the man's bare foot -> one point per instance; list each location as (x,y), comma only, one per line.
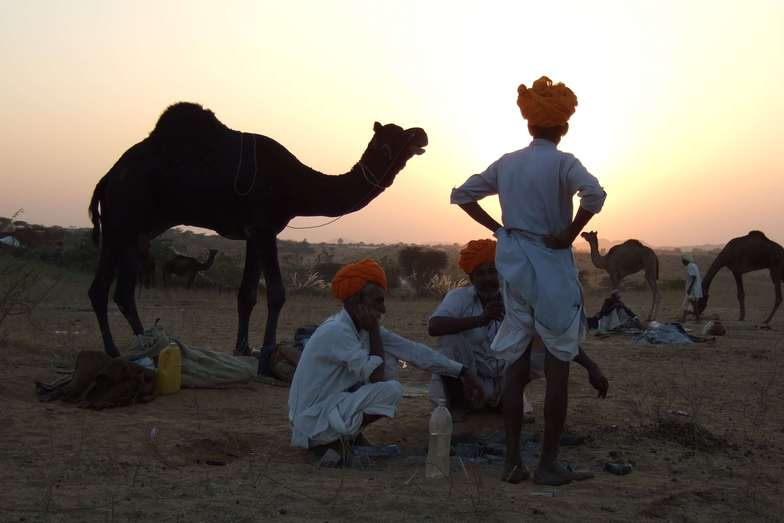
(555,475)
(515,473)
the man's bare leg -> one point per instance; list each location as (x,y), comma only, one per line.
(516,378)
(549,471)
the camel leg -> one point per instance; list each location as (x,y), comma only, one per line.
(777,287)
(741,295)
(127,271)
(99,297)
(276,297)
(191,277)
(246,297)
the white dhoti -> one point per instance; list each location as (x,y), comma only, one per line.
(340,416)
(542,296)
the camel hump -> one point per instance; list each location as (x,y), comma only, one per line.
(758,234)
(635,243)
(185,119)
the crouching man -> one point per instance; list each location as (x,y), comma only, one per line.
(345,378)
(466,321)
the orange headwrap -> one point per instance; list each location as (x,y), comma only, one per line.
(475,254)
(545,104)
(350,279)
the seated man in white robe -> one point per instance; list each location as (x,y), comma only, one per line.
(466,322)
(467,319)
(345,378)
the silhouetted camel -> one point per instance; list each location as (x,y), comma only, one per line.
(627,258)
(193,170)
(187,267)
(752,252)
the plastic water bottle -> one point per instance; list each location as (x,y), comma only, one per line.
(437,464)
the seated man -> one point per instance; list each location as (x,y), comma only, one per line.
(614,314)
(466,322)
(345,376)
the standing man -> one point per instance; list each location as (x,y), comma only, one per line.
(542,294)
(345,378)
(693,288)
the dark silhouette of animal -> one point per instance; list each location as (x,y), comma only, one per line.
(186,267)
(627,258)
(752,252)
(193,170)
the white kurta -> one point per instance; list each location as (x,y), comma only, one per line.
(330,391)
(542,294)
(693,271)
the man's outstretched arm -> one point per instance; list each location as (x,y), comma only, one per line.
(595,376)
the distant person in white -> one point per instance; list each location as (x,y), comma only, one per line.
(693,288)
(542,295)
(345,378)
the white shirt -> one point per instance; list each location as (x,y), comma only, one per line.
(693,271)
(535,186)
(336,358)
(463,302)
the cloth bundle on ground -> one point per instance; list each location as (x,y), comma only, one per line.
(285,357)
(201,368)
(615,318)
(100,381)
(667,334)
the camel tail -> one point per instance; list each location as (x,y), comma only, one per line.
(94,211)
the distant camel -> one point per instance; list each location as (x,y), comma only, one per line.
(186,267)
(193,170)
(752,252)
(627,258)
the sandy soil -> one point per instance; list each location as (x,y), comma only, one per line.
(224,455)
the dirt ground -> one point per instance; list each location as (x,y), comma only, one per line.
(703,425)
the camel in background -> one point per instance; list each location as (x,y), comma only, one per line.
(627,258)
(186,267)
(193,170)
(752,252)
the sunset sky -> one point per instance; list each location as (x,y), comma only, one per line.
(680,103)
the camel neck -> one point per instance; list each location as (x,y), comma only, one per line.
(598,260)
(319,194)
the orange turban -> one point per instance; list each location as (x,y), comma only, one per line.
(545,104)
(475,254)
(350,279)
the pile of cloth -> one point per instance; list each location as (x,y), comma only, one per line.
(99,381)
(667,334)
(615,318)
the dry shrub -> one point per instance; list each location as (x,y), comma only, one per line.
(22,289)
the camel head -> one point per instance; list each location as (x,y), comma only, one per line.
(590,237)
(389,150)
